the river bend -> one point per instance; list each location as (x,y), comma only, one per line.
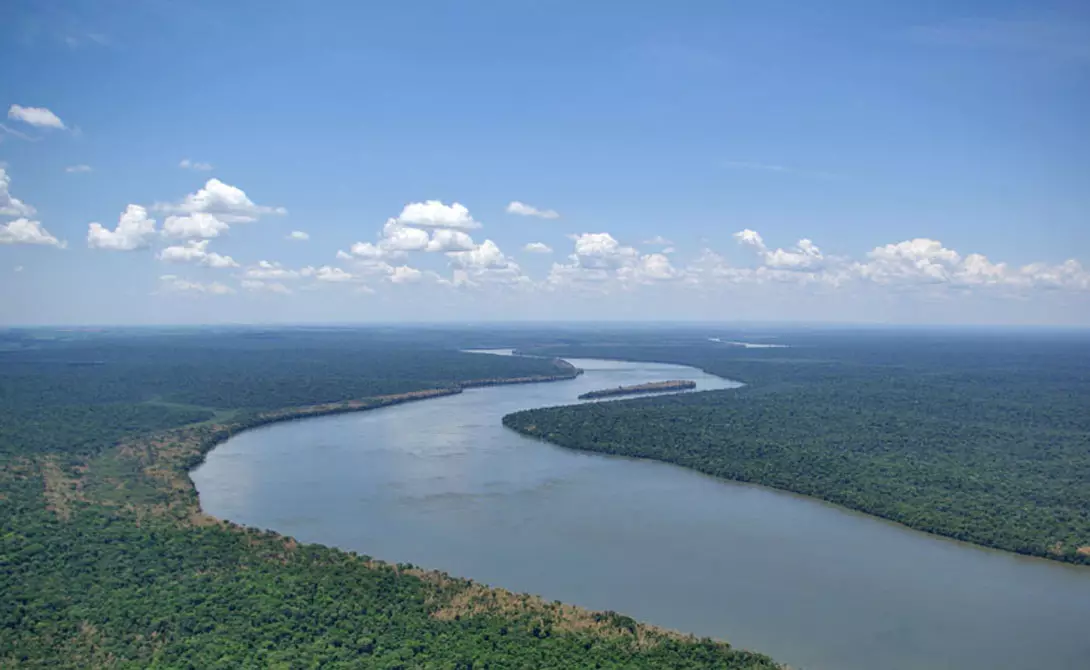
(442,484)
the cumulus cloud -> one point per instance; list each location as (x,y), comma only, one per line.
(538,248)
(658,241)
(328,273)
(403,274)
(77,168)
(601,250)
(39,117)
(197,224)
(180,285)
(649,267)
(916,262)
(600,261)
(298,236)
(522,209)
(227,203)
(486,255)
(434,214)
(751,238)
(805,255)
(9,204)
(22,230)
(927,261)
(445,239)
(600,245)
(485,264)
(134,231)
(270,270)
(187,164)
(365,250)
(196,252)
(25,231)
(398,238)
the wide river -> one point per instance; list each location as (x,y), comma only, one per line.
(442,484)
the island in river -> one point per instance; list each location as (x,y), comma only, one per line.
(649,387)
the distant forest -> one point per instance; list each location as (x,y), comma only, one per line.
(983,437)
(109,562)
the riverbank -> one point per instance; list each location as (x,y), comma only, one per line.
(637,389)
(444,484)
(913,448)
(147,480)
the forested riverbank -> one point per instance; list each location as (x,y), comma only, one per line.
(109,560)
(637,389)
(982,439)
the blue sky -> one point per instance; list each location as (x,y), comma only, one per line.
(923,162)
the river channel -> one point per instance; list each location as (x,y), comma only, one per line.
(442,484)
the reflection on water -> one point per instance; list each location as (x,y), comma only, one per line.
(441,483)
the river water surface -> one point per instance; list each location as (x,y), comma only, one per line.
(442,484)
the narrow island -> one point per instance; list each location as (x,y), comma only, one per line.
(649,387)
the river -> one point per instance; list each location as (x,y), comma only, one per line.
(442,484)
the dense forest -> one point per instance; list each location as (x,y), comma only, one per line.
(978,436)
(107,561)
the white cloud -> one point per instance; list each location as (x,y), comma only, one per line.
(804,256)
(258,286)
(750,237)
(538,248)
(18,268)
(434,214)
(363,250)
(270,270)
(652,267)
(227,203)
(78,168)
(197,224)
(397,237)
(134,231)
(10,205)
(601,250)
(187,164)
(298,236)
(522,209)
(328,273)
(25,231)
(927,261)
(178,284)
(486,255)
(444,239)
(39,117)
(658,240)
(485,264)
(601,262)
(919,262)
(196,252)
(403,274)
